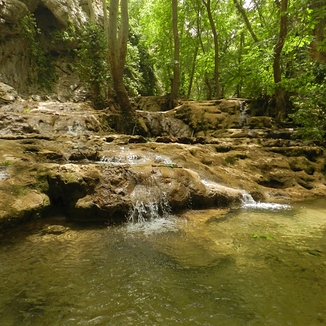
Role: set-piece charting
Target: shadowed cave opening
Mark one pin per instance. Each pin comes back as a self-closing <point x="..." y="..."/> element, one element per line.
<point x="48" y="25"/>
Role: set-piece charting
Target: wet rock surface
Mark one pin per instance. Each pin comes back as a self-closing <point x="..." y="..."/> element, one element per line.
<point x="66" y="157"/>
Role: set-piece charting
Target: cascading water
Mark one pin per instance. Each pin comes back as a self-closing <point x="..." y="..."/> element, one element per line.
<point x="133" y="157"/>
<point x="150" y="212"/>
<point x="249" y="202"/>
<point x="243" y="114"/>
<point x="149" y="203"/>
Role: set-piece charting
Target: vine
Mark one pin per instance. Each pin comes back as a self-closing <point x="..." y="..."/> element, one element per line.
<point x="92" y="64"/>
<point x="42" y="68"/>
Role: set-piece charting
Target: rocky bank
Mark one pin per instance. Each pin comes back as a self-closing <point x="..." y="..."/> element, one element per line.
<point x="64" y="157"/>
<point x="60" y="156"/>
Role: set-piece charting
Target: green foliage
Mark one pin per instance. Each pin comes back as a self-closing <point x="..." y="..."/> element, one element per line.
<point x="132" y="76"/>
<point x="155" y="24"/>
<point x="245" y="65"/>
<point x="262" y="236"/>
<point x="5" y="163"/>
<point x="67" y="35"/>
<point x="139" y="74"/>
<point x="93" y="64"/>
<point x="42" y="68"/>
<point x="310" y="103"/>
<point x="245" y="60"/>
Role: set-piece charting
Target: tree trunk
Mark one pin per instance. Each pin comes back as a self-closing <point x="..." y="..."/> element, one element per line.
<point x="176" y="59"/>
<point x="106" y="34"/>
<point x="279" y="90"/>
<point x="117" y="41"/>
<point x="105" y="20"/>
<point x="319" y="54"/>
<point x="207" y="4"/>
<point x="239" y="85"/>
<point x="91" y="12"/>
<point x="246" y="20"/>
<point x="193" y="69"/>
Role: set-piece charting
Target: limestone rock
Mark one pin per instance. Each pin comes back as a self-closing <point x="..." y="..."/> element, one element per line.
<point x="24" y="206"/>
<point x="12" y="10"/>
<point x="163" y="124"/>
<point x="7" y="93"/>
<point x="61" y="157"/>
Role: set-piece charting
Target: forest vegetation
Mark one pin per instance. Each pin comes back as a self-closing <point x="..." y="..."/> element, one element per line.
<point x="270" y="51"/>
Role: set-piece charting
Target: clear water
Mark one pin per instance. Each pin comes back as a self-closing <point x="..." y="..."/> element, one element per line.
<point x="249" y="266"/>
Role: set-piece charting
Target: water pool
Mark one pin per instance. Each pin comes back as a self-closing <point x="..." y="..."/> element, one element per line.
<point x="247" y="266"/>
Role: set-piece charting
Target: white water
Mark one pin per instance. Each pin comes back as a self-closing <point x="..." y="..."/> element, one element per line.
<point x="153" y="216"/>
<point x="134" y="157"/>
<point x="249" y="202"/>
<point x="151" y="212"/>
<point x="154" y="226"/>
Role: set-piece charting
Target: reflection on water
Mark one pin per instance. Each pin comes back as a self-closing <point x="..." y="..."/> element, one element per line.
<point x="213" y="267"/>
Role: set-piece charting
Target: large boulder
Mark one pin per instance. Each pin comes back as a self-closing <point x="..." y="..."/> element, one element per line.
<point x="11" y="11"/>
<point x="7" y="94"/>
<point x="110" y="192"/>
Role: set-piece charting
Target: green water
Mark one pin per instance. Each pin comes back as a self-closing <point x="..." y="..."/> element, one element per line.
<point x="248" y="267"/>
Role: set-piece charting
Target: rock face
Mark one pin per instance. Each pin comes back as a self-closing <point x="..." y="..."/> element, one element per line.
<point x="66" y="158"/>
<point x="61" y="155"/>
<point x="7" y="94"/>
<point x="12" y="10"/>
<point x="52" y="18"/>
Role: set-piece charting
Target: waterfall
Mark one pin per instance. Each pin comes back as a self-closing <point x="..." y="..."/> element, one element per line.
<point x="243" y="115"/>
<point x="249" y="202"/>
<point x="150" y="212"/>
<point x="149" y="201"/>
<point x="149" y="207"/>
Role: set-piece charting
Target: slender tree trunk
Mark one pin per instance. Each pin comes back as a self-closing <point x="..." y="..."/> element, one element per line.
<point x="176" y="59"/>
<point x="207" y="4"/>
<point x="193" y="69"/>
<point x="117" y="41"/>
<point x="105" y="20"/>
<point x="209" y="91"/>
<point x="246" y="20"/>
<point x="91" y="12"/>
<point x="319" y="32"/>
<point x="239" y="85"/>
<point x="106" y="34"/>
<point x="277" y="70"/>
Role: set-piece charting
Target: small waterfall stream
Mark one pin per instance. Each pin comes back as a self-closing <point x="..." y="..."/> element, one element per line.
<point x="151" y="212"/>
<point x="150" y="204"/>
<point x="249" y="202"/>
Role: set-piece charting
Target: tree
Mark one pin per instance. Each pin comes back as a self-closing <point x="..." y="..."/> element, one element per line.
<point x="246" y="20"/>
<point x="92" y="64"/>
<point x="91" y="12"/>
<point x="318" y="46"/>
<point x="117" y="42"/>
<point x="280" y="93"/>
<point x="176" y="59"/>
<point x="207" y="4"/>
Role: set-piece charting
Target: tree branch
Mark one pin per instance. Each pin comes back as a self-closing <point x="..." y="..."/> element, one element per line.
<point x="246" y="20"/>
